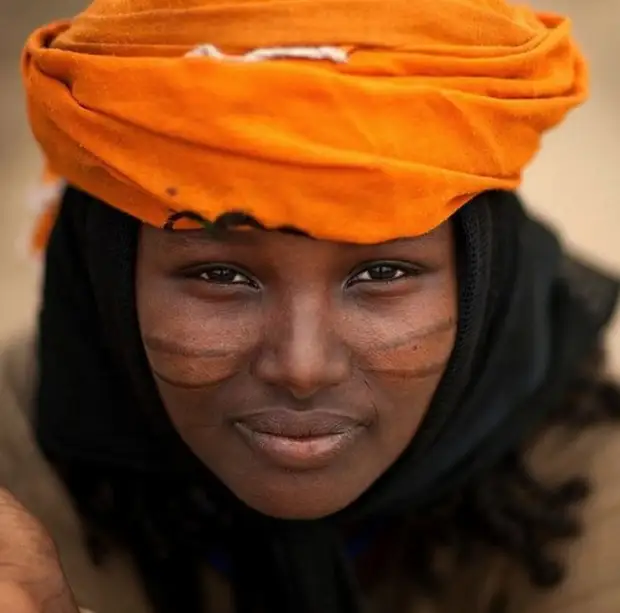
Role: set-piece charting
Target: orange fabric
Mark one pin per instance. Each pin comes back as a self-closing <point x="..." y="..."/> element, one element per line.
<point x="43" y="227"/>
<point x="47" y="201"/>
<point x="438" y="102"/>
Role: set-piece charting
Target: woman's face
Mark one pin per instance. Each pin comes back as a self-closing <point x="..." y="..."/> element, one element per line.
<point x="297" y="370"/>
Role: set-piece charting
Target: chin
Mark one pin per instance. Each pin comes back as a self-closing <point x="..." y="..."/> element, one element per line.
<point x="288" y="489"/>
<point x="295" y="507"/>
<point x="297" y="497"/>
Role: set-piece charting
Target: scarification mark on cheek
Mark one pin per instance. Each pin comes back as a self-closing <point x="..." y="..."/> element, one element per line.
<point x="188" y="367"/>
<point x="420" y="353"/>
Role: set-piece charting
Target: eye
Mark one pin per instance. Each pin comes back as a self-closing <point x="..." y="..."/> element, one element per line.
<point x="224" y="275"/>
<point x="382" y="272"/>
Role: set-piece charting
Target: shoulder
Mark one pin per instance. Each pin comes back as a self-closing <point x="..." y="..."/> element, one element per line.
<point x="593" y="561"/>
<point x="25" y="472"/>
<point x="587" y="446"/>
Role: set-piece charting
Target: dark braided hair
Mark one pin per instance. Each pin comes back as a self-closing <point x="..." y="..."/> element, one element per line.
<point x="226" y="221"/>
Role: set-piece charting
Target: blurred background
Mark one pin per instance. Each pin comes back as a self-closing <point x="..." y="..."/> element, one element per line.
<point x="574" y="182"/>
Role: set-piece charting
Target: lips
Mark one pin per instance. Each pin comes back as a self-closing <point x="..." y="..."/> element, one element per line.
<point x="298" y="441"/>
<point x="291" y="424"/>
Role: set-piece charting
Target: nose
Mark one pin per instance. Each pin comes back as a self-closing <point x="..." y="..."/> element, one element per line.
<point x="301" y="352"/>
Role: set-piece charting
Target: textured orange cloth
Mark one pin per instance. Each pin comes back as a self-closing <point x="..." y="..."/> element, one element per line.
<point x="437" y="102"/>
<point x="48" y="199"/>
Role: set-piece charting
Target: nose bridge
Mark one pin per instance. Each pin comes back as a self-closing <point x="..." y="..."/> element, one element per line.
<point x="302" y="349"/>
<point x="308" y="329"/>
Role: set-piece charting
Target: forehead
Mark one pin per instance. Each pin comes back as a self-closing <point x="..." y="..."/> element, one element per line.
<point x="263" y="242"/>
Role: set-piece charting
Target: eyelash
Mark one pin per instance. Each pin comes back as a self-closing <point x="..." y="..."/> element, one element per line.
<point x="206" y="270"/>
<point x="403" y="271"/>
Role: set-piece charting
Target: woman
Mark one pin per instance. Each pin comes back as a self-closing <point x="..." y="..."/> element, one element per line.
<point x="301" y="347"/>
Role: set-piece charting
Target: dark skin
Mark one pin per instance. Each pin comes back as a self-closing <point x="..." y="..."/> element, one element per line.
<point x="255" y="322"/>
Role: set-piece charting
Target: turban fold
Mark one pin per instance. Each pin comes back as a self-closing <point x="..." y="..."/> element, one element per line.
<point x="434" y="103"/>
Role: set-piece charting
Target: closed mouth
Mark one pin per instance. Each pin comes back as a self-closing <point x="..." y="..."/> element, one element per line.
<point x="298" y="441"/>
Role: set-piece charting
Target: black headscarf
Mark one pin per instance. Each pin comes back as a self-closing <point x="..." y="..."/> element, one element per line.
<point x="528" y="314"/>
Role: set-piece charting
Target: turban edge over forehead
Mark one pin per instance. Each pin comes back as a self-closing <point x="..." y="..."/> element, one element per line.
<point x="435" y="103"/>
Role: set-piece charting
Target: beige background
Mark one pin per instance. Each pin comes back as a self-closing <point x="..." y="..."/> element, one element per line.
<point x="574" y="181"/>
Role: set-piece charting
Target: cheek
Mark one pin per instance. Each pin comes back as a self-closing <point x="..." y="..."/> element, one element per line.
<point x="403" y="382"/>
<point x="408" y="338"/>
<point x="192" y="342"/>
<point x="401" y="350"/>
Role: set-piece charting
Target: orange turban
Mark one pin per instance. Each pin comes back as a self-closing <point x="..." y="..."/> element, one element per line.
<point x="425" y="105"/>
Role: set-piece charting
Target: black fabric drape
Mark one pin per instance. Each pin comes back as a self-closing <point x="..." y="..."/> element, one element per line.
<point x="528" y="314"/>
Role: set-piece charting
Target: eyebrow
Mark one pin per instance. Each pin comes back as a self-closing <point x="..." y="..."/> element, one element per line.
<point x="189" y="238"/>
